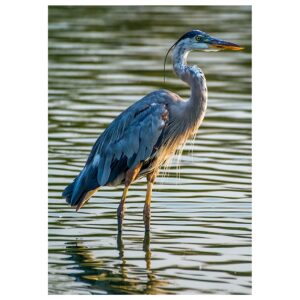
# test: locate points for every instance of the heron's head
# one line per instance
(199, 40)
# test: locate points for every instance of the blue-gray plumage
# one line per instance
(143, 137)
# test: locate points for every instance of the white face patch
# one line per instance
(200, 46)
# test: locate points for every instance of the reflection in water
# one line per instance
(153, 283)
(91, 270)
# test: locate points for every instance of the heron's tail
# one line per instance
(68, 191)
(77, 193)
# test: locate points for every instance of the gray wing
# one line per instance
(129, 140)
(133, 137)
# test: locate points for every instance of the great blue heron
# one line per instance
(144, 136)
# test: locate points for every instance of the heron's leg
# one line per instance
(121, 209)
(147, 207)
(130, 176)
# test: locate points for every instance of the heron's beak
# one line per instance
(223, 45)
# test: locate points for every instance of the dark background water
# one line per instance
(101, 60)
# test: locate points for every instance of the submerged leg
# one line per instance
(121, 209)
(130, 176)
(147, 207)
(147, 210)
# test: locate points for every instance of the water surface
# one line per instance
(101, 60)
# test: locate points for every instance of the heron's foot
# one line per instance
(147, 217)
(120, 214)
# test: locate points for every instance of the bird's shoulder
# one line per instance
(161, 96)
(156, 98)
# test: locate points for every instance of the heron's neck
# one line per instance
(194, 77)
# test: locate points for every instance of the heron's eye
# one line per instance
(198, 38)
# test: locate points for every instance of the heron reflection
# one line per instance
(95, 272)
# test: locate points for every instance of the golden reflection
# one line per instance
(153, 284)
(120, 247)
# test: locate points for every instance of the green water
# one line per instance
(101, 60)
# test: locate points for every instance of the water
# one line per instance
(101, 60)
